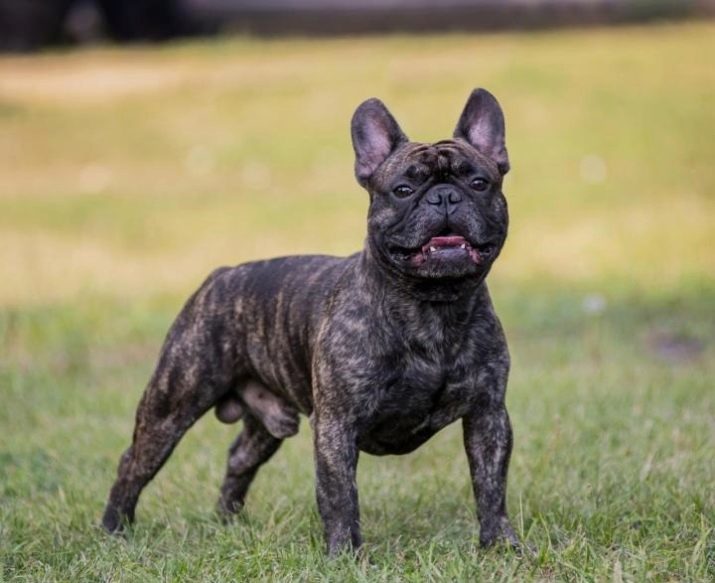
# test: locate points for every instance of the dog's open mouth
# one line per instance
(448, 247)
(451, 247)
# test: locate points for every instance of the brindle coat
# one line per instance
(381, 349)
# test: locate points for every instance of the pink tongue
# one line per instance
(448, 241)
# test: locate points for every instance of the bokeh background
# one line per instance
(128, 173)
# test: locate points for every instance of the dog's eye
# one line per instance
(479, 184)
(402, 191)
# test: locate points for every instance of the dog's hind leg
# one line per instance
(169, 407)
(253, 447)
(196, 369)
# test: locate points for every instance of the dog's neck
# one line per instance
(436, 318)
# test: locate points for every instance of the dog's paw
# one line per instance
(228, 510)
(114, 521)
(499, 534)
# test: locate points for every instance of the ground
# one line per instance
(126, 175)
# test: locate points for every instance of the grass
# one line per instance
(127, 175)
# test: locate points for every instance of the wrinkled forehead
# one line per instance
(446, 157)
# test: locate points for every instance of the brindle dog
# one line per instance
(381, 349)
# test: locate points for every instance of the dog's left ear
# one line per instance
(482, 125)
(375, 135)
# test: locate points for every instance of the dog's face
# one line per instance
(436, 210)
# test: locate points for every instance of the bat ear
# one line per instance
(482, 125)
(375, 135)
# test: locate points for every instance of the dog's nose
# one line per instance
(444, 196)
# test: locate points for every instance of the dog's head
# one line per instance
(437, 211)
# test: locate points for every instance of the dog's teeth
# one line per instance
(432, 249)
(463, 246)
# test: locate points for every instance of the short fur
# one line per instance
(381, 349)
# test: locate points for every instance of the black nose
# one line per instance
(444, 197)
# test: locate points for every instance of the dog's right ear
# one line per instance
(375, 135)
(482, 125)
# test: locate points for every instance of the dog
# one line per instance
(380, 350)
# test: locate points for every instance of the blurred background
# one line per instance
(32, 24)
(220, 135)
(132, 171)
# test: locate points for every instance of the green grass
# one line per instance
(127, 175)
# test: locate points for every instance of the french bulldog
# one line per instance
(380, 350)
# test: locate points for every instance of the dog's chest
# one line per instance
(420, 396)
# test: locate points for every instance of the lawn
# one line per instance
(126, 175)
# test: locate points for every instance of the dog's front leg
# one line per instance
(488, 442)
(336, 457)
